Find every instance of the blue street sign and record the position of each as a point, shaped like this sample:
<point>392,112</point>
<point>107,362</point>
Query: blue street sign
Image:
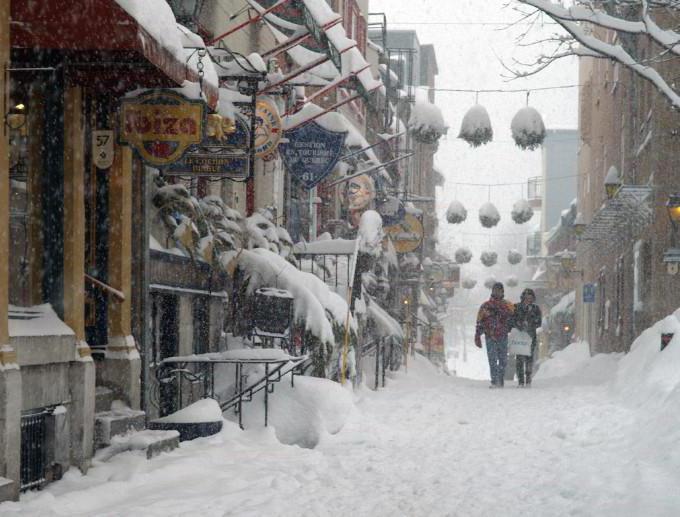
<point>588,293</point>
<point>311,152</point>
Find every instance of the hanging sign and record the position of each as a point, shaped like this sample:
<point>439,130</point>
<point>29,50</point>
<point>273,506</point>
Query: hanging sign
<point>268,127</point>
<point>311,152</point>
<point>102,148</point>
<point>161,125</point>
<point>223,153</point>
<point>589,293</point>
<point>407,234</point>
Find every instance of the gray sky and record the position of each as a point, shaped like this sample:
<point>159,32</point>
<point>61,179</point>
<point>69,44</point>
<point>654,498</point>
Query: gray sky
<point>468,57</point>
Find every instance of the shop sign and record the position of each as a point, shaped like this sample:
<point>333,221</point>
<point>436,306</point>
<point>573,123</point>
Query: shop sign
<point>161,125</point>
<point>588,293</point>
<point>268,127</point>
<point>223,153</point>
<point>102,148</point>
<point>407,234</point>
<point>311,152</point>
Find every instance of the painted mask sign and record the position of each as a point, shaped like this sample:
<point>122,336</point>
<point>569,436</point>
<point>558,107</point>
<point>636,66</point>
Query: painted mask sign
<point>311,152</point>
<point>161,125</point>
<point>223,153</point>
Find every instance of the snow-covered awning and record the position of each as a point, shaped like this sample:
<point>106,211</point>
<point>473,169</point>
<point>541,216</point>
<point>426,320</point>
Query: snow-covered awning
<point>626,213</point>
<point>128,27</point>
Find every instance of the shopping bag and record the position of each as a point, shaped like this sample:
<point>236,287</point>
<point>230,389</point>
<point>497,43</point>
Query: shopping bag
<point>519,342</point>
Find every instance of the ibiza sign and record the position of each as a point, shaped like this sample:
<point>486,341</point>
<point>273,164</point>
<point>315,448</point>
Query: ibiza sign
<point>311,152</point>
<point>161,125</point>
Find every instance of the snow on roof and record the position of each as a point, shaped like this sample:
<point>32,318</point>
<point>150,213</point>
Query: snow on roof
<point>157,18</point>
<point>38,320</point>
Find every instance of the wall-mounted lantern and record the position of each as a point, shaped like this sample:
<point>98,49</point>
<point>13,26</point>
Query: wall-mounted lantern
<point>579,225</point>
<point>612,182</point>
<point>672,256</point>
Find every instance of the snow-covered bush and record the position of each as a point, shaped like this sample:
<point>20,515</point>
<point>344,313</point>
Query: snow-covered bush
<point>514,257</point>
<point>476,127</point>
<point>522,212</point>
<point>512,281</point>
<point>262,233</point>
<point>489,282</point>
<point>469,283</point>
<point>456,213</point>
<point>528,130</point>
<point>488,215</point>
<point>489,258</point>
<point>426,123</point>
<point>463,255</point>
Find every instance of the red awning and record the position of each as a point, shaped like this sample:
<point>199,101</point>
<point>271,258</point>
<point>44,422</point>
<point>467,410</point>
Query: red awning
<point>91,27</point>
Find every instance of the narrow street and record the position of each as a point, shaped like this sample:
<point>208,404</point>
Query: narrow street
<point>430,445</point>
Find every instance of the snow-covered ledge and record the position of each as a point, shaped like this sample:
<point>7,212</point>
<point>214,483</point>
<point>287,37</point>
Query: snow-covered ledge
<point>39,336</point>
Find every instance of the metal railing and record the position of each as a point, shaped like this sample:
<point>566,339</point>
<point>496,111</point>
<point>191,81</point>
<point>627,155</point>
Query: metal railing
<point>33,449</point>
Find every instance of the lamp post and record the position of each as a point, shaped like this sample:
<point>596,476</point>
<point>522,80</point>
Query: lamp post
<point>672,256</point>
<point>612,182</point>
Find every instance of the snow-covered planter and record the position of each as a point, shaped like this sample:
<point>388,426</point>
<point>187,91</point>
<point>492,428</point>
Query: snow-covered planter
<point>489,282</point>
<point>426,123</point>
<point>489,258</point>
<point>469,283</point>
<point>488,215</point>
<point>456,213</point>
<point>522,212</point>
<point>512,281</point>
<point>514,257</point>
<point>463,255</point>
<point>476,127</point>
<point>528,130</point>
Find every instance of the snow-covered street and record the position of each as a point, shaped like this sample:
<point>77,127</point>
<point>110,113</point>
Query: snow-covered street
<point>431,444</point>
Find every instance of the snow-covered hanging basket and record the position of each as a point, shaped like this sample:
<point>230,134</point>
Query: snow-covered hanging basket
<point>456,213</point>
<point>488,215</point>
<point>514,257</point>
<point>489,282</point>
<point>476,126</point>
<point>426,123</point>
<point>463,255</point>
<point>489,258</point>
<point>528,130</point>
<point>522,212</point>
<point>469,283</point>
<point>512,281</point>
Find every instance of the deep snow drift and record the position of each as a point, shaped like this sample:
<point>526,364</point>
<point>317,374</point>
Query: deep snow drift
<point>594,436</point>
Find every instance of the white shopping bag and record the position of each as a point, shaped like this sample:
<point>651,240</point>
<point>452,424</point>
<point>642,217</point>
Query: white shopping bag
<point>519,342</point>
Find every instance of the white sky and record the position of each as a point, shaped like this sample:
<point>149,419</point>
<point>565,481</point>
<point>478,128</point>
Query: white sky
<point>468,58</point>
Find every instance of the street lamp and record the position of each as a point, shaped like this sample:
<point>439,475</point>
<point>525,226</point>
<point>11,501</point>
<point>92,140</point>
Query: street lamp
<point>579,225</point>
<point>612,182</point>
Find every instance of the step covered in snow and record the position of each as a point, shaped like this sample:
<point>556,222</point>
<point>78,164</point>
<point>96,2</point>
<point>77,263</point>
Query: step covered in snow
<point>119,420</point>
<point>153,442</point>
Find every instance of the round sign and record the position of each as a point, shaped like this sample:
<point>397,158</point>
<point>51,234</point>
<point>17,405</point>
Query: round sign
<point>267,128</point>
<point>407,234</point>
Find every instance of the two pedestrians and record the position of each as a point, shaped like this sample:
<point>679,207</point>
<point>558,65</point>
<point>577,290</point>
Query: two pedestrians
<point>494,320</point>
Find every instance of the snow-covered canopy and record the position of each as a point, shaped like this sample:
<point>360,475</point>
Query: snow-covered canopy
<point>476,127</point>
<point>565,305</point>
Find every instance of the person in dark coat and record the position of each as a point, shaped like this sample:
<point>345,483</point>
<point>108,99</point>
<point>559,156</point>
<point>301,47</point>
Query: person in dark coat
<point>494,320</point>
<point>527,318</point>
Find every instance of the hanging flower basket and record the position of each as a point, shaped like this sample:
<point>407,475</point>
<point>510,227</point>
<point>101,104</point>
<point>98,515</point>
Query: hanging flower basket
<point>456,213</point>
<point>463,255</point>
<point>528,130</point>
<point>426,123</point>
<point>512,281</point>
<point>488,215</point>
<point>489,282</point>
<point>522,212</point>
<point>476,126</point>
<point>489,258</point>
<point>514,257</point>
<point>469,283</point>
